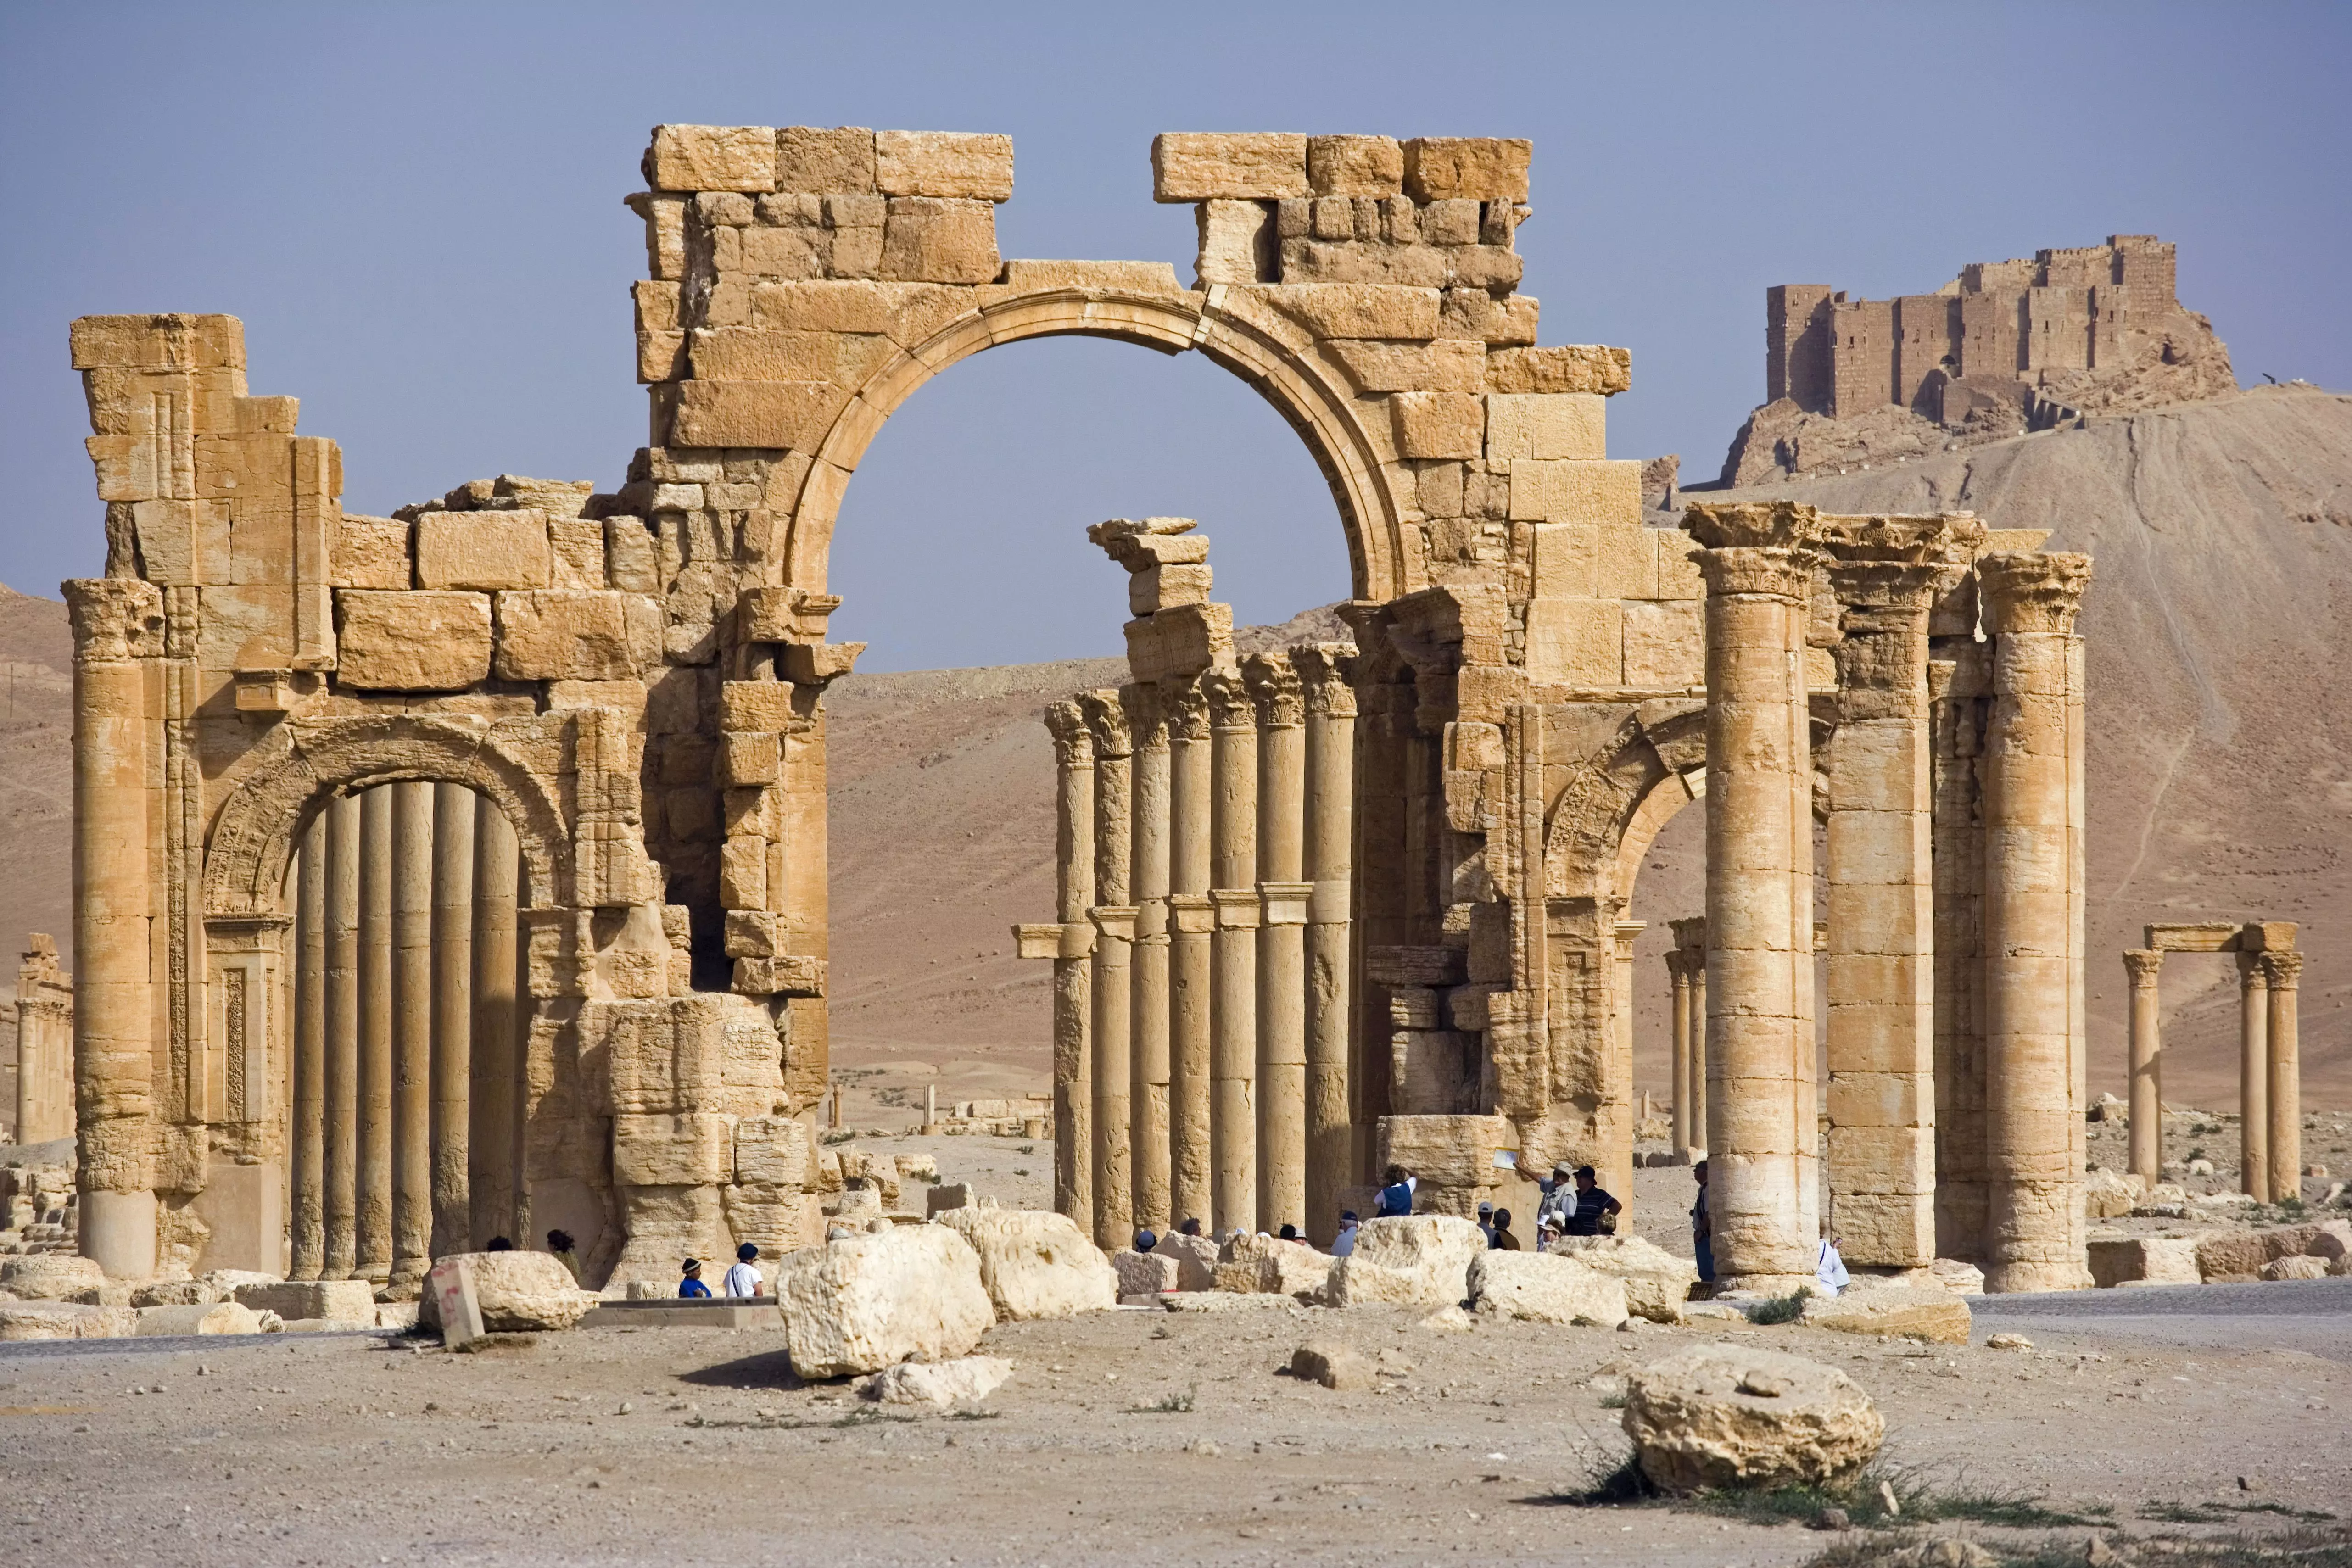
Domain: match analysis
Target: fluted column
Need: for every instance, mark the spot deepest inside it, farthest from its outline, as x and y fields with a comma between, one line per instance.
x=2031, y=915
x=1074, y=860
x=342, y=1036
x=1111, y=1014
x=1679, y=978
x=1233, y=1023
x=493, y=1099
x=1324, y=670
x=2283, y=971
x=1882, y=918
x=373, y=1259
x=1280, y=701
x=453, y=1001
x=306, y=1227
x=412, y=1034
x=116, y=628
x=1191, y=920
x=2253, y=1078
x=1149, y=1018
x=1760, y=1111
x=2142, y=968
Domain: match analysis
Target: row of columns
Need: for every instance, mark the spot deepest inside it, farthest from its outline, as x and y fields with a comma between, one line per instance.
x=405, y=1138
x=2269, y=1069
x=1201, y=985
x=1687, y=968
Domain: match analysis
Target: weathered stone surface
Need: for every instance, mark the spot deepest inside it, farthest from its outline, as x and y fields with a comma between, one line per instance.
x=1145, y=1273
x=1466, y=168
x=938, y=1385
x=943, y=163
x=343, y=1301
x=712, y=157
x=2301, y=1266
x=1960, y=1278
x=483, y=550
x=1560, y=368
x=935, y=240
x=2240, y=1254
x=415, y=641
x=2109, y=1195
x=555, y=634
x=213, y=1318
x=1725, y=1415
x=1035, y=1264
x=1657, y=1282
x=62, y=1319
x=839, y=159
x=1545, y=1288
x=518, y=1292
x=1336, y=1366
x=1422, y=1260
x=1354, y=165
x=1192, y=166
x=2151, y=1260
x=1196, y=1259
x=49, y=1276
x=910, y=1293
x=1928, y=1313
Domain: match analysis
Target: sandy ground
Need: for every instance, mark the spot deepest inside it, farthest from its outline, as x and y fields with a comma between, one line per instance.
x=628, y=1446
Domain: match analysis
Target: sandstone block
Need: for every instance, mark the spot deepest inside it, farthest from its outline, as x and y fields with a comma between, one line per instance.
x=1436, y=424
x=1196, y=1260
x=693, y=1148
x=345, y=1302
x=2301, y=1266
x=1370, y=310
x=369, y=552
x=910, y=1293
x=1545, y=1289
x=1447, y=365
x=483, y=549
x=1568, y=491
x=1665, y=645
x=943, y=163
x=1339, y=1367
x=59, y=1320
x=934, y=240
x=1928, y=1313
x=1727, y=1417
x=2110, y=1195
x=1354, y=165
x=1962, y=1279
x=213, y=1318
x=940, y=1386
x=1560, y=367
x=1657, y=1282
x=517, y=1292
x=712, y=157
x=772, y=414
x=1576, y=642
x=1238, y=244
x=1145, y=1273
x=49, y=1276
x=1414, y=1260
x=2151, y=1260
x=824, y=161
x=1545, y=424
x=948, y=1195
x=1035, y=1264
x=1466, y=168
x=1195, y=166
x=560, y=634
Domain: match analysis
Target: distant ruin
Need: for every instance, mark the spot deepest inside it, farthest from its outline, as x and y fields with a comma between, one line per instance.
x=2004, y=348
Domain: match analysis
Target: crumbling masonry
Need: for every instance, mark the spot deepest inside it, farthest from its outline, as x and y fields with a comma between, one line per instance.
x=1318, y=911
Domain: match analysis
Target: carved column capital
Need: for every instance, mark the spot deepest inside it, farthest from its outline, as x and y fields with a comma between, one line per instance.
x=2034, y=592
x=2283, y=970
x=2143, y=965
x=114, y=618
x=1767, y=572
x=1184, y=707
x=1230, y=707
x=1109, y=721
x=1754, y=524
x=2252, y=976
x=1926, y=538
x=1275, y=688
x=1327, y=671
x=1074, y=743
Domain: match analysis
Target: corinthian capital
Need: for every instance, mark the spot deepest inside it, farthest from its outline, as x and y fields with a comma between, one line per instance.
x=1326, y=670
x=1919, y=538
x=2040, y=590
x=114, y=618
x=2283, y=969
x=1753, y=525
x=1106, y=717
x=2143, y=965
x=1074, y=743
x=1756, y=570
x=1230, y=707
x=1275, y=687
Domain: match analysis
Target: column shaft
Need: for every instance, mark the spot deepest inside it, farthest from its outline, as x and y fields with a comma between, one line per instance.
x=1330, y=869
x=1113, y=1000
x=493, y=1173
x=1959, y=677
x=1682, y=1051
x=2031, y=915
x=412, y=1034
x=342, y=1036
x=1232, y=1130
x=2145, y=1084
x=1280, y=701
x=1074, y=862
x=1700, y=1070
x=1616, y=1162
x=373, y=1237
x=2283, y=970
x=1192, y=919
x=2253, y=1078
x=307, y=1234
x=453, y=1001
x=1760, y=1109
x=1149, y=1025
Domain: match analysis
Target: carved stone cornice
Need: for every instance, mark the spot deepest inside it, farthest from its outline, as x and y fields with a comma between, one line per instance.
x=1275, y=687
x=2142, y=966
x=2035, y=591
x=1753, y=525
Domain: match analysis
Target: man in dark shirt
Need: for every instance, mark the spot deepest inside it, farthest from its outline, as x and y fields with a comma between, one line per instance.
x=1591, y=1204
x=1396, y=1193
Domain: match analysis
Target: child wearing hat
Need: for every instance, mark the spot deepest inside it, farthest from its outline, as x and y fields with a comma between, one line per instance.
x=691, y=1285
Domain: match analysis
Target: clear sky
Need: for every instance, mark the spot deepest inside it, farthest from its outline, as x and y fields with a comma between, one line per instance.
x=415, y=209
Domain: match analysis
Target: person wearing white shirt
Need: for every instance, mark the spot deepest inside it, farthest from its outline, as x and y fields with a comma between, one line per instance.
x=1829, y=1268
x=742, y=1279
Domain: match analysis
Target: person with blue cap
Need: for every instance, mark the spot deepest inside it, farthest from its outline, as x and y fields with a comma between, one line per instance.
x=1145, y=1241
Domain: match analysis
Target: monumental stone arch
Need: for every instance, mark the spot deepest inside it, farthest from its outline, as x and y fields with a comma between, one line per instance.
x=1320, y=910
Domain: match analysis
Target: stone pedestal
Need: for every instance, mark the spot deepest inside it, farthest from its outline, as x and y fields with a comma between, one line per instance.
x=2142, y=968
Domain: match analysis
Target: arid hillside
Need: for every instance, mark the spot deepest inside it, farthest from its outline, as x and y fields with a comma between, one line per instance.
x=36, y=777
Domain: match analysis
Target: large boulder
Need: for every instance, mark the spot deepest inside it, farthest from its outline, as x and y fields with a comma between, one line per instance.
x=1545, y=1289
x=1415, y=1260
x=1905, y=1311
x=346, y=1304
x=1036, y=1263
x=50, y=1276
x=1657, y=1282
x=64, y=1319
x=939, y=1384
x=1725, y=1415
x=203, y=1318
x=517, y=1292
x=2111, y=1194
x=1269, y=1264
x=2299, y=1265
x=2240, y=1255
x=866, y=1301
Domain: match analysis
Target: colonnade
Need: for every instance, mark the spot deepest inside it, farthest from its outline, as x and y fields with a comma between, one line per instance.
x=2269, y=1053
x=407, y=1138
x=1687, y=970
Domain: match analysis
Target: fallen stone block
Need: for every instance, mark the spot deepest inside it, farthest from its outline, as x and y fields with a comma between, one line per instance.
x=1930, y=1313
x=1336, y=1366
x=64, y=1319
x=347, y=1304
x=939, y=1384
x=910, y=1294
x=49, y=1276
x=1536, y=1287
x=2143, y=1260
x=946, y=1196
x=1035, y=1264
x=2301, y=1266
x=1728, y=1416
x=1657, y=1282
x=2110, y=1195
x=205, y=1317
x=516, y=1292
x=1420, y=1259
x=1144, y=1273
x=1962, y=1279
x=1196, y=1259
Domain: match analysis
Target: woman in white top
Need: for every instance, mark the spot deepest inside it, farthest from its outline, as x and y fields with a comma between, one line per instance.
x=1829, y=1268
x=742, y=1279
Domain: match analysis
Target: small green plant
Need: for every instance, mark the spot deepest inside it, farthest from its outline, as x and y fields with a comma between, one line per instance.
x=1879, y=1496
x=2199, y=1153
x=1614, y=1401
x=2225, y=1513
x=1021, y=1170
x=1780, y=1309
x=1169, y=1405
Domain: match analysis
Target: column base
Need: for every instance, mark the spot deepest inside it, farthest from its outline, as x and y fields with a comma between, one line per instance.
x=1762, y=1285
x=117, y=1233
x=2011, y=1278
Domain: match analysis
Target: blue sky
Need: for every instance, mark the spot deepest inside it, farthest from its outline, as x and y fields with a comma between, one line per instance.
x=416, y=211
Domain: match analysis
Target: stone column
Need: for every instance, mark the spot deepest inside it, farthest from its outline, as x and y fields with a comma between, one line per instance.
x=412, y=1034
x=2253, y=1078
x=1232, y=1011
x=2031, y=837
x=1148, y=879
x=493, y=1099
x=1680, y=981
x=1281, y=707
x=1616, y=1162
x=117, y=624
x=1074, y=860
x=453, y=1002
x=1700, y=1056
x=342, y=1036
x=373, y=1236
x=1760, y=1112
x=307, y=1234
x=1959, y=677
x=2141, y=967
x=1192, y=919
x=1112, y=1011
x=2283, y=971
x=1324, y=670
x=1881, y=982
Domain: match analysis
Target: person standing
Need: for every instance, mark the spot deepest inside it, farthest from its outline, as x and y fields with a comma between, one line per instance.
x=1828, y=1267
x=743, y=1280
x=1594, y=1210
x=1487, y=1224
x=1702, y=1228
x=1396, y=1194
x=1502, y=1240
